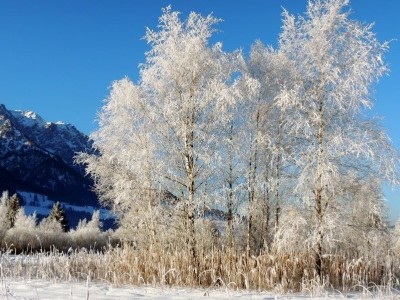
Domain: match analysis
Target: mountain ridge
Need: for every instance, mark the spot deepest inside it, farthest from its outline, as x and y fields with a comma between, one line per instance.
x=37, y=157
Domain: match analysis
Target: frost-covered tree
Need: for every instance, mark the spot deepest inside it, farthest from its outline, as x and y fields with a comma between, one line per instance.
x=22, y=221
x=4, y=223
x=23, y=234
x=266, y=72
x=88, y=233
x=334, y=61
x=246, y=125
x=282, y=139
x=57, y=213
x=355, y=223
x=13, y=205
x=51, y=235
x=232, y=167
x=50, y=225
x=162, y=135
x=365, y=230
x=124, y=168
x=188, y=87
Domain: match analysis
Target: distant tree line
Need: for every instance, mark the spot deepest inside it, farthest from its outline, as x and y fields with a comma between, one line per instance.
x=22, y=233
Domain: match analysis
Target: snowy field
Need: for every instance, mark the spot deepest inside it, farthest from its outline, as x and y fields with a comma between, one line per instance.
x=41, y=290
x=20, y=288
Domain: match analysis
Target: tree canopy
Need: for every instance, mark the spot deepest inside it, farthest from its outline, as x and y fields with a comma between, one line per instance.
x=280, y=140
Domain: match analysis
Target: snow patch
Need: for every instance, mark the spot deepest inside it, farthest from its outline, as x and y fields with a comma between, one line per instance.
x=35, y=199
x=39, y=289
x=28, y=118
x=41, y=204
x=29, y=210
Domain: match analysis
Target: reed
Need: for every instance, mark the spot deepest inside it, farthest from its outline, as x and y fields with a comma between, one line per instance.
x=270, y=271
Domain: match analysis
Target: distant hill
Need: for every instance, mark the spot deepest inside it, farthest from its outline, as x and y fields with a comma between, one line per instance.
x=36, y=160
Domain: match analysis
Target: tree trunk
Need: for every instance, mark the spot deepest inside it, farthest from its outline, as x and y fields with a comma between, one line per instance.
x=191, y=184
x=250, y=213
x=319, y=190
x=229, y=214
x=277, y=178
x=191, y=235
x=266, y=203
x=252, y=187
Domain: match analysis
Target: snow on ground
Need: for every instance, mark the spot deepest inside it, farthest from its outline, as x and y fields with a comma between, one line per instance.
x=41, y=204
x=41, y=290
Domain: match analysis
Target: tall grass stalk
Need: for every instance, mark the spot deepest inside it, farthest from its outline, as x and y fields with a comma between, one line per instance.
x=126, y=265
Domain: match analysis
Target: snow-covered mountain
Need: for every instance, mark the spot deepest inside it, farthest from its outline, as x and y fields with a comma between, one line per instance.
x=28, y=128
x=37, y=157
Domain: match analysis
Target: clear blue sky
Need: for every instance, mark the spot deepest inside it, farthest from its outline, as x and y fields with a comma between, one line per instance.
x=58, y=57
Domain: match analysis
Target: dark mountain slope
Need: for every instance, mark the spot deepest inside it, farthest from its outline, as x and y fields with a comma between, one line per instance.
x=37, y=156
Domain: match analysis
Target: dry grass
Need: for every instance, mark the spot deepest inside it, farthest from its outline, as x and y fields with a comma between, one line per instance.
x=217, y=268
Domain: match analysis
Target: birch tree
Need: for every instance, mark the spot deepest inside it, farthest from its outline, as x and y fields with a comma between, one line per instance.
x=188, y=87
x=366, y=227
x=164, y=133
x=264, y=144
x=122, y=168
x=272, y=72
x=335, y=62
x=246, y=125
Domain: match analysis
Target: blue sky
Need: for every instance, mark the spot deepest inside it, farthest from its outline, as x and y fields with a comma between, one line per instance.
x=58, y=58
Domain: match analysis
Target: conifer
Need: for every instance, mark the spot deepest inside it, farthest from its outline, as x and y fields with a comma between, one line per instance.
x=57, y=213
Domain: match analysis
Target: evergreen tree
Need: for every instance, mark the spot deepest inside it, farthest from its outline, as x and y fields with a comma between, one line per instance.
x=13, y=205
x=58, y=214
